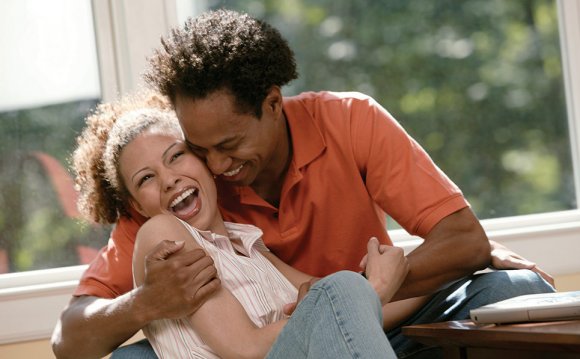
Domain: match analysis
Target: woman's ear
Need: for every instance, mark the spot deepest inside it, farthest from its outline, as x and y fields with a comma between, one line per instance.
x=136, y=206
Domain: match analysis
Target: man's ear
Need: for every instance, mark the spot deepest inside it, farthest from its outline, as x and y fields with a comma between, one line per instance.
x=273, y=100
x=136, y=206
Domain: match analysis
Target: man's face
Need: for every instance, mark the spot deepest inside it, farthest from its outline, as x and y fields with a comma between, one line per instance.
x=237, y=147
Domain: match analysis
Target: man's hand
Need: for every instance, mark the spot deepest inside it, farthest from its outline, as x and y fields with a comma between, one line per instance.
x=177, y=282
x=386, y=268
x=302, y=291
x=504, y=258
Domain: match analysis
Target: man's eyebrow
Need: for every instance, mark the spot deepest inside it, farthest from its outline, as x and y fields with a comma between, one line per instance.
x=189, y=143
x=228, y=139
x=221, y=143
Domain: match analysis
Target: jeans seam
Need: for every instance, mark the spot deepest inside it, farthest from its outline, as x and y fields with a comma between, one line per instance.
x=346, y=337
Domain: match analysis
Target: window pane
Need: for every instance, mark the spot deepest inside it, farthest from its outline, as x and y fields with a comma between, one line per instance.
x=478, y=83
x=50, y=82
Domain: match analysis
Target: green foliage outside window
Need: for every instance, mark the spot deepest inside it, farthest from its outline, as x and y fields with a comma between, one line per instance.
x=35, y=232
x=478, y=83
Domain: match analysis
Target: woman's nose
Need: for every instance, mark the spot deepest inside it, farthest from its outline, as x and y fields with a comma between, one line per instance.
x=170, y=181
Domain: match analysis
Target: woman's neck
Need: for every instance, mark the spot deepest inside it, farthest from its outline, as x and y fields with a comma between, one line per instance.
x=218, y=226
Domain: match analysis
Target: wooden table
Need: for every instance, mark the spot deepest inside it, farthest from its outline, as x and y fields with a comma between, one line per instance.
x=467, y=340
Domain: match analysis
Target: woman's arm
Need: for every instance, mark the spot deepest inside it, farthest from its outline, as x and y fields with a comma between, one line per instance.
x=295, y=276
x=91, y=327
x=394, y=313
x=221, y=321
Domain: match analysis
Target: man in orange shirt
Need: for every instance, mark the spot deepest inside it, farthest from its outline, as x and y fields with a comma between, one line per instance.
x=316, y=172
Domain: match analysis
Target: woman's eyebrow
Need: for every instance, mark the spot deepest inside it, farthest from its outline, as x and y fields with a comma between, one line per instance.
x=168, y=149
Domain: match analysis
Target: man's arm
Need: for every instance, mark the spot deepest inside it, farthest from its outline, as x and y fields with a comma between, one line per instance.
x=92, y=327
x=176, y=283
x=457, y=246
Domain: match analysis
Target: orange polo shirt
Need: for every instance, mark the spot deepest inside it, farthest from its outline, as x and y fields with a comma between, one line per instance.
x=352, y=163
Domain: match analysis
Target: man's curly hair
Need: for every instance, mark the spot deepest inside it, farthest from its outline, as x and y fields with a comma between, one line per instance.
x=102, y=197
x=223, y=49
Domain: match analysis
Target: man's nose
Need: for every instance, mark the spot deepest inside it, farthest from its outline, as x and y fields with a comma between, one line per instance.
x=218, y=162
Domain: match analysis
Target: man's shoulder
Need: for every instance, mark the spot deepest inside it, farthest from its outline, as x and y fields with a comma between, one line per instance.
x=126, y=228
x=328, y=97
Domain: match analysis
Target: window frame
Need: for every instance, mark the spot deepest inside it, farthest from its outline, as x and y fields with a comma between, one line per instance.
x=30, y=302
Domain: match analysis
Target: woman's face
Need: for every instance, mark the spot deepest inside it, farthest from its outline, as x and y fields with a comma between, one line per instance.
x=163, y=176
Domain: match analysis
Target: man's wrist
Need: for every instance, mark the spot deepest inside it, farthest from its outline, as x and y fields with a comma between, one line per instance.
x=141, y=311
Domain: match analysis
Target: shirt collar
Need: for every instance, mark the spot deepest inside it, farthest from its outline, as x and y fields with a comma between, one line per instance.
x=307, y=140
x=246, y=233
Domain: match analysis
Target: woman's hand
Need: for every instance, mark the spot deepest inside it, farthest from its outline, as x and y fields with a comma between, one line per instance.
x=302, y=291
x=385, y=267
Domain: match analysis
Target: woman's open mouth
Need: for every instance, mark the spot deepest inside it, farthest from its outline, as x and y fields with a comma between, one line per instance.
x=186, y=205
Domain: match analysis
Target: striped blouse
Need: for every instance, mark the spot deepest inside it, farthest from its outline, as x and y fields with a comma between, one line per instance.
x=259, y=287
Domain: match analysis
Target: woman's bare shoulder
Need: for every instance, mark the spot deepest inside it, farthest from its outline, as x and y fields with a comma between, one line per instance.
x=164, y=225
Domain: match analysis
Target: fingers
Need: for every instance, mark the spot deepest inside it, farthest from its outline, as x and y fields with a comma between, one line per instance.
x=165, y=249
x=363, y=262
x=511, y=262
x=303, y=290
x=206, y=291
x=289, y=308
x=548, y=278
x=373, y=247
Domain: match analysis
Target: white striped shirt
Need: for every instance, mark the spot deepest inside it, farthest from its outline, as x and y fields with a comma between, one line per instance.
x=259, y=287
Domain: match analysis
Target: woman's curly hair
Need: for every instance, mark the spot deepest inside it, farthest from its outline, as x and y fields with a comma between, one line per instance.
x=102, y=196
x=223, y=49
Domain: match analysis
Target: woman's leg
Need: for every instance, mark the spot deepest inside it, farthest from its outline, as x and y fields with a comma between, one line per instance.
x=138, y=350
x=340, y=317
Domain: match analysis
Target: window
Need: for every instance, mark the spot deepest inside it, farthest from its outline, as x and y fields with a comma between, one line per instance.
x=50, y=81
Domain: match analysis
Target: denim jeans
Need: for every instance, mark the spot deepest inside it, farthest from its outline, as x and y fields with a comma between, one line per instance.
x=341, y=317
x=455, y=301
x=138, y=350
x=451, y=303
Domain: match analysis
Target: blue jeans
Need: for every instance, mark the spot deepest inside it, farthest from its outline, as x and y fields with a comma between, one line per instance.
x=138, y=350
x=452, y=303
x=341, y=317
x=455, y=301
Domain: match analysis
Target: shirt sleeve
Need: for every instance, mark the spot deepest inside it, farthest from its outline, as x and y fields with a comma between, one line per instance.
x=400, y=176
x=110, y=274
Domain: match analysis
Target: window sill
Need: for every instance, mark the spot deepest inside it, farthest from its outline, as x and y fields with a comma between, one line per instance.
x=30, y=302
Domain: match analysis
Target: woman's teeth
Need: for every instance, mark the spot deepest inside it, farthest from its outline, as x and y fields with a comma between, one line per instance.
x=181, y=197
x=233, y=172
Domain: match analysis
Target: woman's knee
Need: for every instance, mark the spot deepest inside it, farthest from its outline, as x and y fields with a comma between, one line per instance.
x=344, y=279
x=349, y=286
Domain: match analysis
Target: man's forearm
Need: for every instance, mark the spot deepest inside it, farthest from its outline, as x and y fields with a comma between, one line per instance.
x=456, y=247
x=92, y=327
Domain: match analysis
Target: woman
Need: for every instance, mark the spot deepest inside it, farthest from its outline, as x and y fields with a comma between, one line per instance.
x=135, y=158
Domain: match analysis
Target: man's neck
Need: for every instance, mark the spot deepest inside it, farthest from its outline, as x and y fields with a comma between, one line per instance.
x=268, y=184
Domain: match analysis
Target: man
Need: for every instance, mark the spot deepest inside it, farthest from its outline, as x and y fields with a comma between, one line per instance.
x=316, y=172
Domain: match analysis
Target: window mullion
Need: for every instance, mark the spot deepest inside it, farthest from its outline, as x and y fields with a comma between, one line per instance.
x=569, y=22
